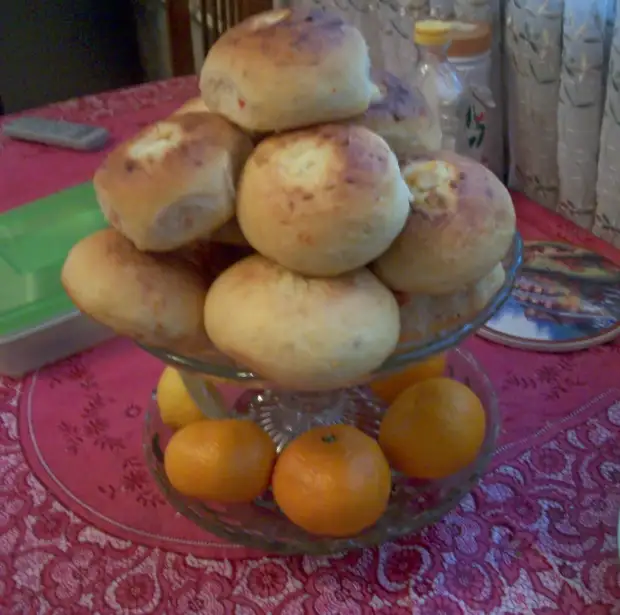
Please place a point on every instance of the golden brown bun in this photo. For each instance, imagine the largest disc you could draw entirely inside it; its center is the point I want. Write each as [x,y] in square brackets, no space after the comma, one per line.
[423,317]
[193,105]
[288,68]
[323,200]
[401,117]
[174,182]
[230,234]
[462,222]
[302,333]
[156,299]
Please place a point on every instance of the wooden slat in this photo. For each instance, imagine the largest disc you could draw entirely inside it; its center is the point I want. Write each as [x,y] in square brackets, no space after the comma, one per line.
[179,30]
[224,14]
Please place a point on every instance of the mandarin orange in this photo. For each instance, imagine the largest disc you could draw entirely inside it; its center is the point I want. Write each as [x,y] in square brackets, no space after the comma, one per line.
[388,389]
[228,460]
[332,481]
[433,429]
[176,406]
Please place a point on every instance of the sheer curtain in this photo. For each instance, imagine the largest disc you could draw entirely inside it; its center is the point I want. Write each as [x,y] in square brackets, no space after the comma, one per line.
[555,132]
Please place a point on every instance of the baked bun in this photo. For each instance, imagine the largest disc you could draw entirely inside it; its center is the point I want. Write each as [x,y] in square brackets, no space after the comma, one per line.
[174,182]
[401,117]
[423,317]
[193,105]
[302,333]
[230,234]
[462,223]
[323,200]
[286,69]
[156,299]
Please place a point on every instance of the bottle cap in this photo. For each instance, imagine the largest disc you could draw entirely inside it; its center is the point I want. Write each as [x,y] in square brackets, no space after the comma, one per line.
[469,38]
[432,32]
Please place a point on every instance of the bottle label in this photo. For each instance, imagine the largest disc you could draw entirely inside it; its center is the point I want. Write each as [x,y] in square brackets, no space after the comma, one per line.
[476,127]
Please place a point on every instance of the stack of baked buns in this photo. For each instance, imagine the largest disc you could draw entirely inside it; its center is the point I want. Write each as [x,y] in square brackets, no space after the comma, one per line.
[295,217]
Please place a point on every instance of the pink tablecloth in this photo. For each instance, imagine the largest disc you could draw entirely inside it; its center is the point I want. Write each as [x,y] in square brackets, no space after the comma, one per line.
[83,529]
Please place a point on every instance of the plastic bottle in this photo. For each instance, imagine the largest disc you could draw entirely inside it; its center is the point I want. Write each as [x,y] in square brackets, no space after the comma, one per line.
[441,85]
[470,54]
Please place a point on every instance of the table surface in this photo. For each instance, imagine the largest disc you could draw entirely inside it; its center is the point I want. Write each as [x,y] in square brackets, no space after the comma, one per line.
[83,528]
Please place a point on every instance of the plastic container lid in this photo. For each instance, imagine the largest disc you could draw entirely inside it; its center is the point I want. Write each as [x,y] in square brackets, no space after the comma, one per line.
[429,32]
[469,38]
[34,242]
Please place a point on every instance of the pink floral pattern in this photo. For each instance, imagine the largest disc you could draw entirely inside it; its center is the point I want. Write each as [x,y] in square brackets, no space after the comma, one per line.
[537,536]
[84,530]
[67,578]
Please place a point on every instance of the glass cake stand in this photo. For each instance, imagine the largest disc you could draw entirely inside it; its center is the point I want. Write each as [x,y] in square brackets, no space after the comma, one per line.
[285,414]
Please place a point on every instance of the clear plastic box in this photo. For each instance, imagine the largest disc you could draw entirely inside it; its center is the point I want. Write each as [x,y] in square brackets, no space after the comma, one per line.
[38,322]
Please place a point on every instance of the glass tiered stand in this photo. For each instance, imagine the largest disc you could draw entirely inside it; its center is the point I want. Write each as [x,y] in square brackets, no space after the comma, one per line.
[285,414]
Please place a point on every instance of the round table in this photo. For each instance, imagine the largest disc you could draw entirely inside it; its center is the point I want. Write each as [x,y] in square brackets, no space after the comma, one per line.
[83,528]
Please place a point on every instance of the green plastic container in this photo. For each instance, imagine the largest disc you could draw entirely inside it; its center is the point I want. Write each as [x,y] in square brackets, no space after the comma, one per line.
[38,322]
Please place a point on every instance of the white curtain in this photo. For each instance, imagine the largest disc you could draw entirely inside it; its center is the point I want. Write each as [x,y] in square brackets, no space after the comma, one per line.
[555,133]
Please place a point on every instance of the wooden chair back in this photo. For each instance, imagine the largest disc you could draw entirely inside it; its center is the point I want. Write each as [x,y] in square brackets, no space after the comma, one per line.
[220,15]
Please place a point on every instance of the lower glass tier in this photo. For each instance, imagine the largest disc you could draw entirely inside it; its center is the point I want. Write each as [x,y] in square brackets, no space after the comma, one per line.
[284,415]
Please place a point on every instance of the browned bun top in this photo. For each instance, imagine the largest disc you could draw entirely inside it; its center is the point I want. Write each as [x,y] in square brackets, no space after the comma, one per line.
[401,116]
[462,222]
[285,36]
[288,68]
[174,181]
[323,200]
[398,102]
[157,299]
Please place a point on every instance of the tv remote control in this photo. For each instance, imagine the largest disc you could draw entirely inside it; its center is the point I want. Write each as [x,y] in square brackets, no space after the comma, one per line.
[57,133]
